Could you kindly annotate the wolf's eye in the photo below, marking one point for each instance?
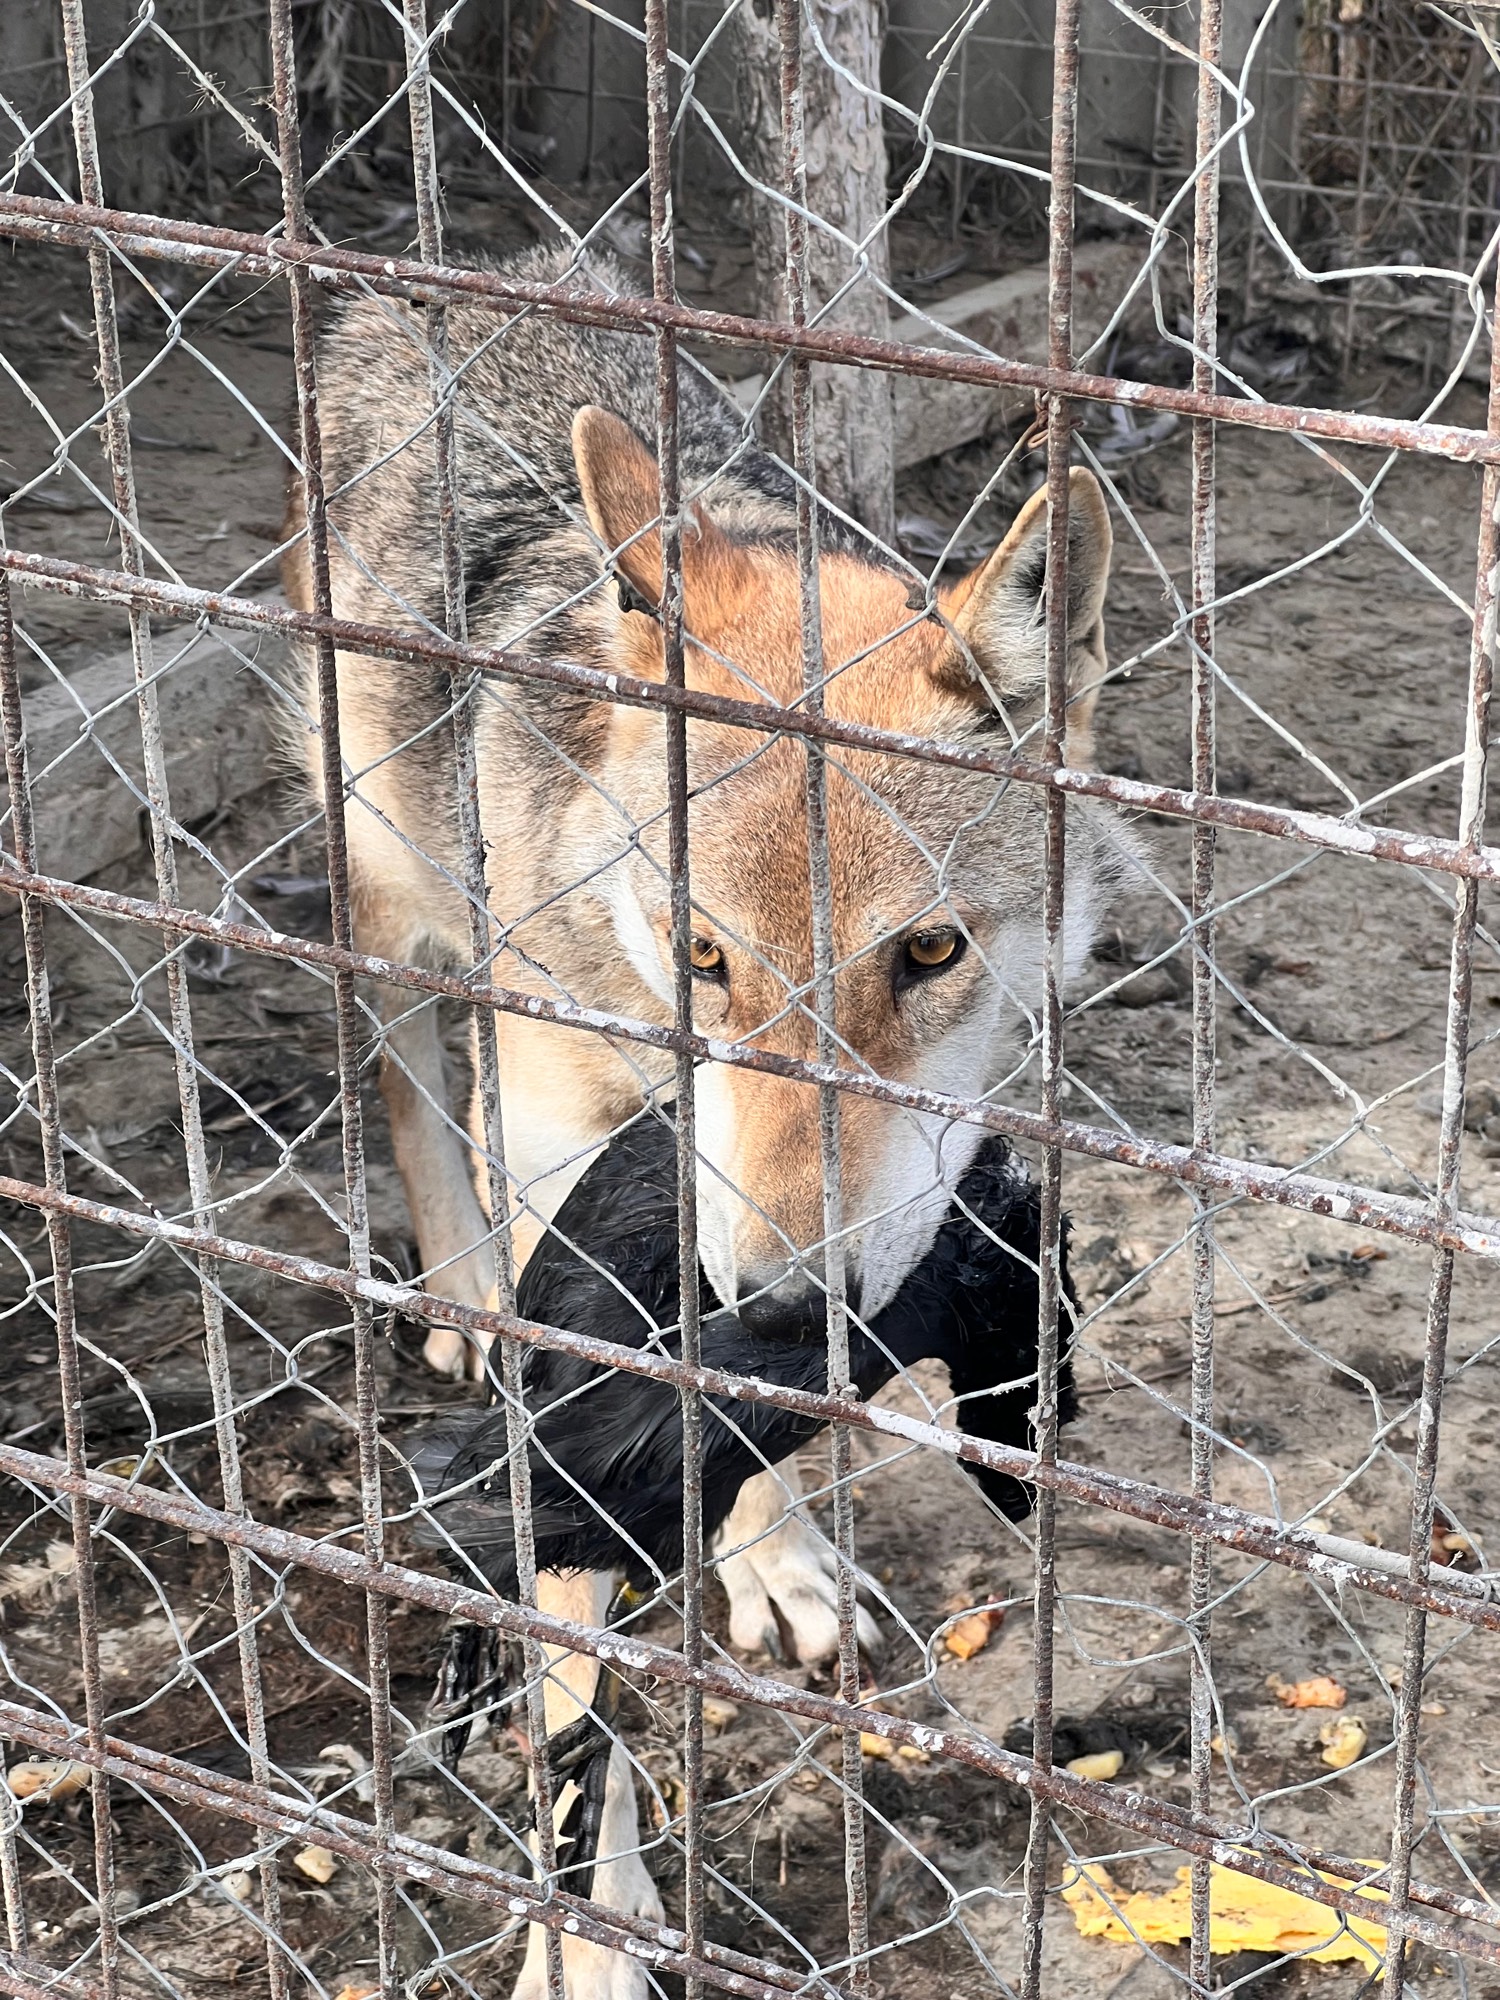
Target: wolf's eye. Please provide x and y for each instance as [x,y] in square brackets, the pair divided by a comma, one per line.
[708,960]
[928,953]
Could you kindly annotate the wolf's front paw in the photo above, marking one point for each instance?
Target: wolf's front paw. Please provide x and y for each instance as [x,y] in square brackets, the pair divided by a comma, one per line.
[787,1583]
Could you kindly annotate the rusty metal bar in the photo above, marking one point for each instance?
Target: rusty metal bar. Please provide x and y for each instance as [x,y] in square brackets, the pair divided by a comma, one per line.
[32,218]
[1347,837]
[12,1887]
[820,898]
[1351,838]
[64,1300]
[1245,1848]
[402,1858]
[464,684]
[1408,1721]
[1472,1600]
[179,1008]
[1205,982]
[28,1978]
[674,660]
[367,1418]
[1059,422]
[1340,1201]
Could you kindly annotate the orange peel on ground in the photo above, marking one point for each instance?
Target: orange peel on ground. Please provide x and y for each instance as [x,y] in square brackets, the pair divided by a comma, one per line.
[1245,1914]
[972,1634]
[1319,1691]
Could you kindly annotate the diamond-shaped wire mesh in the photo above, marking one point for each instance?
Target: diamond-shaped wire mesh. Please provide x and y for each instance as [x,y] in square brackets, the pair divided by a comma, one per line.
[835,653]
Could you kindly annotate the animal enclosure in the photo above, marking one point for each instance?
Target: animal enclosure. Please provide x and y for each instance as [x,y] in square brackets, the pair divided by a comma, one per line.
[1238,269]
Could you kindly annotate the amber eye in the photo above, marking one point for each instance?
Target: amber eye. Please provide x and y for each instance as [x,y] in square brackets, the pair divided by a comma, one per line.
[928,953]
[932,947]
[707,958]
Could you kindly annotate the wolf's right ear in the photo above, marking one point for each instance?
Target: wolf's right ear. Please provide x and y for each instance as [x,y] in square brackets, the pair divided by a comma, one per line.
[622,498]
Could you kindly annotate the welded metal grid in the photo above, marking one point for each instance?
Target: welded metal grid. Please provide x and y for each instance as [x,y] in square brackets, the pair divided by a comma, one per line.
[1442,1916]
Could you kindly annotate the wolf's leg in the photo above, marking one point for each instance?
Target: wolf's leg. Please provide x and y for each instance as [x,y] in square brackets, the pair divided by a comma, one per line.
[782,1566]
[621,1879]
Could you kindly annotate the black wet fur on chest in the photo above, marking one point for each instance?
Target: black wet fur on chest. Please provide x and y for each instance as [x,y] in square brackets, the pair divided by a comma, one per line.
[606,1465]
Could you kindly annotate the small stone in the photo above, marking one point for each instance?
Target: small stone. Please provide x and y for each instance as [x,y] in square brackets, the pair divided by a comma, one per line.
[718,1714]
[239,1884]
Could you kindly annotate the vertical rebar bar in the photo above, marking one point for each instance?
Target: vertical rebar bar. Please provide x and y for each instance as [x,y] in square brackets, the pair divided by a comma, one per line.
[1447,1179]
[1205,763]
[179,1009]
[12,1888]
[464,690]
[59,1241]
[346,1005]
[1049,1288]
[664,286]
[804,460]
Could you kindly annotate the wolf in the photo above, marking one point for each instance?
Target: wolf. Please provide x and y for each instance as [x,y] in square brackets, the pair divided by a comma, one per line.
[936,872]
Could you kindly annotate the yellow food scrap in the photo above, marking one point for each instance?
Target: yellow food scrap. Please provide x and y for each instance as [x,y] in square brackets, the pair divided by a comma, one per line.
[1321,1691]
[1244,1915]
[318,1863]
[875,1746]
[357,1993]
[971,1635]
[1101,1766]
[1343,1741]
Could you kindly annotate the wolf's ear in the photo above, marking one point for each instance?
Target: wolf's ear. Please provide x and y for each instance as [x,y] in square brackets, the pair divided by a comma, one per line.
[1000,609]
[621,496]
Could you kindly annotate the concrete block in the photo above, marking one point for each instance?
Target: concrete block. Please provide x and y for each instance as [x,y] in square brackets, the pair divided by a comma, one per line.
[83,746]
[1009,317]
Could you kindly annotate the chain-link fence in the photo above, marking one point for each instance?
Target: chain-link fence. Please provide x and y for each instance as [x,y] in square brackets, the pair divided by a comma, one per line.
[659,802]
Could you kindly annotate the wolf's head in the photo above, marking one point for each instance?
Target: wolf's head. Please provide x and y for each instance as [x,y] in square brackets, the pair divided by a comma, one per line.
[936,874]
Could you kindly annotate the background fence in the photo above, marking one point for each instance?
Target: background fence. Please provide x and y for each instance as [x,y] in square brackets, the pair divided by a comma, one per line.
[1262,320]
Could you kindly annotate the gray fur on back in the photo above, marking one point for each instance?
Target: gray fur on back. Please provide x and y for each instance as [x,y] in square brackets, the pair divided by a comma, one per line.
[522,377]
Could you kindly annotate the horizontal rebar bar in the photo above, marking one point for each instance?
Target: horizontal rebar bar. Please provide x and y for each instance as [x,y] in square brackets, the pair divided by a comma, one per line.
[1235,1846]
[30,1979]
[33,218]
[1341,836]
[1338,1201]
[1470,1600]
[414,1860]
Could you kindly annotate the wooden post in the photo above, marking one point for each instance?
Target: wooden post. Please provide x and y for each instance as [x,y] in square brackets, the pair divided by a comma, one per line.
[846,187]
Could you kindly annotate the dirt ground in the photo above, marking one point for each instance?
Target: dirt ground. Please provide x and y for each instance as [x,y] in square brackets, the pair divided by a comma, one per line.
[1346,672]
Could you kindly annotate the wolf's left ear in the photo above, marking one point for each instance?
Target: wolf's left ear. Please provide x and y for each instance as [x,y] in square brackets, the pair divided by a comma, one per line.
[999,610]
[618,480]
